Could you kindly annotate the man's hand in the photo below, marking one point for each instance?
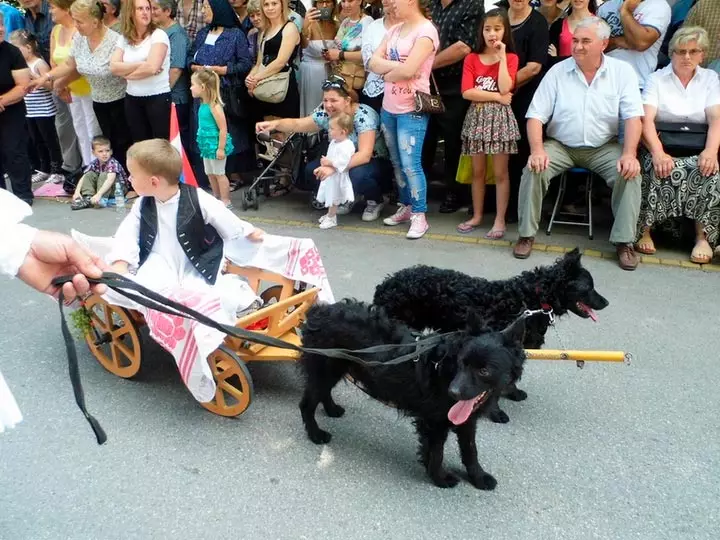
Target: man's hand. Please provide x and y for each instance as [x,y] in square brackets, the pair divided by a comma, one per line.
[663,164]
[256,236]
[707,163]
[628,166]
[95,199]
[538,161]
[53,254]
[268,126]
[630,6]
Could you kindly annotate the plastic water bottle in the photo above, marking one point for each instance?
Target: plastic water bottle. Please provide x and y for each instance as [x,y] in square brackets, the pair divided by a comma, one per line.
[103,202]
[119,198]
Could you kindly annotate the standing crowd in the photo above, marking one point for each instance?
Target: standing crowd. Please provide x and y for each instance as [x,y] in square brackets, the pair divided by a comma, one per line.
[519,95]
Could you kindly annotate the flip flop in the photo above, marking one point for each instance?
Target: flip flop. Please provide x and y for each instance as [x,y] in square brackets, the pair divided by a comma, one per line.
[466,228]
[494,234]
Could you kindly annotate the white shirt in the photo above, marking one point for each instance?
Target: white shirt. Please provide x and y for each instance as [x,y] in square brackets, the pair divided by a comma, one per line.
[154,84]
[650,13]
[674,102]
[581,114]
[16,236]
[372,36]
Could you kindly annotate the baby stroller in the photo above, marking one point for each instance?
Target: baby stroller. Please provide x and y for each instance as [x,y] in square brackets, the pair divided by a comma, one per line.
[286,161]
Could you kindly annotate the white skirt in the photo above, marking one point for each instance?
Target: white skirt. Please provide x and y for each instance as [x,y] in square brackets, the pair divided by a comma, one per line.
[335,189]
[9,411]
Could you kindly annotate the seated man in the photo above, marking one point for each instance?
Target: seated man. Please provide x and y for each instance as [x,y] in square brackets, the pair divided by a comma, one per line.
[581,100]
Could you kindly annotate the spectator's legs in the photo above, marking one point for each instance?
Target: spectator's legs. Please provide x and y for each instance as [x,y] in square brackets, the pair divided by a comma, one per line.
[626,194]
[390,132]
[111,118]
[411,130]
[13,147]
[365,181]
[91,182]
[86,125]
[48,137]
[157,112]
[534,186]
[38,145]
[137,120]
[72,159]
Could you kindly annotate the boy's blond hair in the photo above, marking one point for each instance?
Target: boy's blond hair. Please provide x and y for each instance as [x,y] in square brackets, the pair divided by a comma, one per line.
[344,121]
[157,157]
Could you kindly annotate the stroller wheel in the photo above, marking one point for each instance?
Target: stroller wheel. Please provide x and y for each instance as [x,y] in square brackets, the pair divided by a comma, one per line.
[250,199]
[255,198]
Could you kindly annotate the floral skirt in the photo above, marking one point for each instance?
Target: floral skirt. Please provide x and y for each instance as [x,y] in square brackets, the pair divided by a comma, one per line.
[684,194]
[490,128]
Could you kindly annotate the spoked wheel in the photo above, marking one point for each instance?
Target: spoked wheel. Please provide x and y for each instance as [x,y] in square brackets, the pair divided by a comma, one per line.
[234,390]
[270,294]
[114,338]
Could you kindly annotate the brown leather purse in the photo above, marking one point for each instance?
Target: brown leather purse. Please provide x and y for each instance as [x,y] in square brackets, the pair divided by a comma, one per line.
[429,103]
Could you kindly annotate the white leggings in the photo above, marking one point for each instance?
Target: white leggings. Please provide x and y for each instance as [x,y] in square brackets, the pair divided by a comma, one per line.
[85,124]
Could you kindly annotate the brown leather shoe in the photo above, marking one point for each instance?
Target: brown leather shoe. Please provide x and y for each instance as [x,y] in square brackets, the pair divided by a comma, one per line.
[627,258]
[523,247]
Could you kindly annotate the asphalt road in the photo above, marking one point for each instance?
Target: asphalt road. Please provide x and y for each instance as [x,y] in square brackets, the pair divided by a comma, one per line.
[611,451]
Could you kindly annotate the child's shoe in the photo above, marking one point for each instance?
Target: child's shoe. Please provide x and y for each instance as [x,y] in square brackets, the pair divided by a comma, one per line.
[418,226]
[402,215]
[328,222]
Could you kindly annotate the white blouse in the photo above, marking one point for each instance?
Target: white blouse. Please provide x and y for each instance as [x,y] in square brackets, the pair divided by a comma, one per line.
[372,36]
[674,102]
[154,84]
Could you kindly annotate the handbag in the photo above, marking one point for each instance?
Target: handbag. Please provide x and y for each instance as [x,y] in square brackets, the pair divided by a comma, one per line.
[234,95]
[273,89]
[682,139]
[354,74]
[429,103]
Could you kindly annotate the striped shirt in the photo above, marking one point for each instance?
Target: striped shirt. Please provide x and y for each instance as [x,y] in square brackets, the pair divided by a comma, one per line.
[38,103]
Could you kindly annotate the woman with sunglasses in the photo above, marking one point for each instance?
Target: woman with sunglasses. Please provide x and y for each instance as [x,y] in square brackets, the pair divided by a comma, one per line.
[369,168]
[405,58]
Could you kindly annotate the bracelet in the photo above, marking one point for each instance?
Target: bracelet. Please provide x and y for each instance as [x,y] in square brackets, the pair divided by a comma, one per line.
[342,55]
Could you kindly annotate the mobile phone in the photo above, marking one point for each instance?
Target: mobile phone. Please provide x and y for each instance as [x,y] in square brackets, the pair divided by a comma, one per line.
[326,13]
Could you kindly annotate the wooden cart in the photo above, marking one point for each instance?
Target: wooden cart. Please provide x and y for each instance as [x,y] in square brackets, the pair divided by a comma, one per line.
[115,340]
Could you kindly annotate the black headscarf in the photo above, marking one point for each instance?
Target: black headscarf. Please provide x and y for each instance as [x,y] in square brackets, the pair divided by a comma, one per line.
[223,14]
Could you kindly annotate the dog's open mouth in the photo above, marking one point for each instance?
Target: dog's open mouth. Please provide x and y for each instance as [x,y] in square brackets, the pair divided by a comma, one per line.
[587,310]
[461,411]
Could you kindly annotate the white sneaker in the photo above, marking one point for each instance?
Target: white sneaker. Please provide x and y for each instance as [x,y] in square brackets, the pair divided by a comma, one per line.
[322,218]
[402,215]
[418,227]
[372,211]
[345,208]
[56,179]
[39,176]
[328,222]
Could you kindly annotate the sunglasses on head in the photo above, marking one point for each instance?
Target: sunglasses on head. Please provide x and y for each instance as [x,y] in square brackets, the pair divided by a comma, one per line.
[335,82]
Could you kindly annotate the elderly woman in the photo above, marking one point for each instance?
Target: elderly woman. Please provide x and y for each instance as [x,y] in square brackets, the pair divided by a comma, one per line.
[89,56]
[370,168]
[682,183]
[112,15]
[222,47]
[142,58]
[14,77]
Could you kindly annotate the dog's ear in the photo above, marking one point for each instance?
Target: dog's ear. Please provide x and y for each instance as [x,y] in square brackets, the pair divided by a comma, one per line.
[573,257]
[514,334]
[474,323]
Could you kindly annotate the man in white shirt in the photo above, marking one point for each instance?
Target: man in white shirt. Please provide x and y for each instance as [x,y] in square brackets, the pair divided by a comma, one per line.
[582,99]
[637,31]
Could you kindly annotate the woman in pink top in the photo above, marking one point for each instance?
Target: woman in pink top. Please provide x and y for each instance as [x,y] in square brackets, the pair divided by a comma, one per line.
[405,58]
[562,29]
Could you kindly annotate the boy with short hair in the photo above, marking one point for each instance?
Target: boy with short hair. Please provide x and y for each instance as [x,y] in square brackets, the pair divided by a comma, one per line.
[176,235]
[100,177]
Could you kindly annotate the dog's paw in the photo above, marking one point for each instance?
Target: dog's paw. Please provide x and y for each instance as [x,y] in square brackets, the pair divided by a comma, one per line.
[499,417]
[445,480]
[320,437]
[483,481]
[334,410]
[517,395]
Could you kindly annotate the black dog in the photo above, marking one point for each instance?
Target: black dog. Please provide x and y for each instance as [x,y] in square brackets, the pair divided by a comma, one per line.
[443,389]
[429,297]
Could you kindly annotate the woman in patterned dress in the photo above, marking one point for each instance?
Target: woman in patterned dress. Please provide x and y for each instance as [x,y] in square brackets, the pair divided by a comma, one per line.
[681,186]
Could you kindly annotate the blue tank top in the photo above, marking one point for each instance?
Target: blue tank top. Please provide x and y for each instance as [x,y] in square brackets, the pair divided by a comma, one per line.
[208,134]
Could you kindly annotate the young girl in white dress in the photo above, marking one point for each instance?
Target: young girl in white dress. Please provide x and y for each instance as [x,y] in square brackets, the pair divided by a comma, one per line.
[336,188]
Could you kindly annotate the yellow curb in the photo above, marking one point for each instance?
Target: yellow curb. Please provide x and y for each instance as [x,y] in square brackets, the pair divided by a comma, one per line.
[671,262]
[462,239]
[690,264]
[609,255]
[711,267]
[540,247]
[649,259]
[435,236]
[593,253]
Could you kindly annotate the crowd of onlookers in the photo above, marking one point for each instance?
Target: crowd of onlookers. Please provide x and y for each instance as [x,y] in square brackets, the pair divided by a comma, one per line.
[518,93]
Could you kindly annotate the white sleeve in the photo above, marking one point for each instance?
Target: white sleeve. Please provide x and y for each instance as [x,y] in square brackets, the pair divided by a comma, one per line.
[17,236]
[159,36]
[342,155]
[126,242]
[228,225]
[655,15]
[651,92]
[542,105]
[631,105]
[121,43]
[713,90]
[366,48]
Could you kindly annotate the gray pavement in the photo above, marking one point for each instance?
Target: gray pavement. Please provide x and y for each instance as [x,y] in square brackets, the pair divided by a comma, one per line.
[611,451]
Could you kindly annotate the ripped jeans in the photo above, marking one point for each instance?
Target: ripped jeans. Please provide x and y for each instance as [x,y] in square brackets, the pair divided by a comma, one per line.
[404,136]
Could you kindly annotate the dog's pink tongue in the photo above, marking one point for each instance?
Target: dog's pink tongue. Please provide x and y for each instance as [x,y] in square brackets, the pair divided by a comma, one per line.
[590,312]
[461,411]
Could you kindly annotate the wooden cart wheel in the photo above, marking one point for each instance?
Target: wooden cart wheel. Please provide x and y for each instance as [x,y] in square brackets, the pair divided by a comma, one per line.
[114,339]
[234,384]
[271,293]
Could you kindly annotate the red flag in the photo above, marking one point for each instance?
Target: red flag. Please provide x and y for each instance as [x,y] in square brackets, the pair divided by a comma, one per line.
[187,176]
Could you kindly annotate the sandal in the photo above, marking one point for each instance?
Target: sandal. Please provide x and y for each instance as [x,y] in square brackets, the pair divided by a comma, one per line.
[278,190]
[466,227]
[495,234]
[702,253]
[645,245]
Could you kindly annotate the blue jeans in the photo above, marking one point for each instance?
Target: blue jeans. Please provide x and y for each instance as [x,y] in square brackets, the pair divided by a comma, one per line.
[367,179]
[404,136]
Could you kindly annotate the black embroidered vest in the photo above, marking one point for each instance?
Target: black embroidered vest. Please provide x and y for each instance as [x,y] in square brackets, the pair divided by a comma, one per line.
[201,243]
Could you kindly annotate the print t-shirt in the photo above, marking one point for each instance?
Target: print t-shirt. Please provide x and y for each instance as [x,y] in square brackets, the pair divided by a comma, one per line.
[482,76]
[650,13]
[365,119]
[399,96]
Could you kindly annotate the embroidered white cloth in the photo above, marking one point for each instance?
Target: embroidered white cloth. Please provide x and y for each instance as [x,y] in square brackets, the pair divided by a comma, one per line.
[191,343]
[13,250]
[337,188]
